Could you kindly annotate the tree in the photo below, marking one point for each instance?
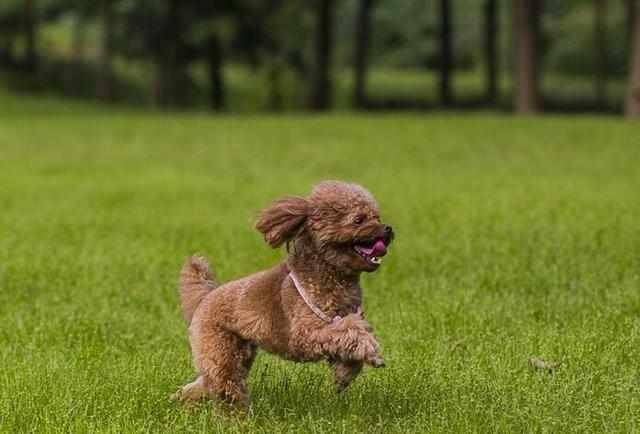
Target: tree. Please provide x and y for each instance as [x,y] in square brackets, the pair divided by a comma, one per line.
[633,91]
[79,36]
[272,23]
[363,28]
[491,30]
[104,84]
[76,69]
[30,34]
[210,41]
[171,56]
[631,7]
[526,29]
[320,97]
[214,59]
[11,29]
[600,43]
[446,53]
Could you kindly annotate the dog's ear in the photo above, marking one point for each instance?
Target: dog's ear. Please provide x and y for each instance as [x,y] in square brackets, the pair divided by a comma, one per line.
[283,220]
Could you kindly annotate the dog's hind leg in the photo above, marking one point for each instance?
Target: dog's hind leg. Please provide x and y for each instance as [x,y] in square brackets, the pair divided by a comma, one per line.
[345,372]
[224,360]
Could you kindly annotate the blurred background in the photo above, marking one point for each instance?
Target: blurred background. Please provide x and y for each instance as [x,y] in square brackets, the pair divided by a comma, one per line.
[287,55]
[132,135]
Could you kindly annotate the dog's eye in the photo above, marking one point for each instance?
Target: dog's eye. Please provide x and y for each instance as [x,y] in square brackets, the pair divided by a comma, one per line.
[359,219]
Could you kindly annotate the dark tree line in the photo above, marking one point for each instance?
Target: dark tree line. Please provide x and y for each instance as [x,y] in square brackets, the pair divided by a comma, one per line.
[292,35]
[492,28]
[633,93]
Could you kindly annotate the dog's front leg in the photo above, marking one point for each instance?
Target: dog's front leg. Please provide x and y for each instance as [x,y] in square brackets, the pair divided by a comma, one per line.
[345,372]
[349,339]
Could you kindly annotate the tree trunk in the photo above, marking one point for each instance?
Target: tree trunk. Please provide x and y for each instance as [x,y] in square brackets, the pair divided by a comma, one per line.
[631,7]
[78,37]
[167,58]
[75,73]
[6,51]
[491,24]
[30,34]
[446,53]
[275,98]
[526,20]
[274,53]
[104,84]
[633,92]
[363,28]
[600,43]
[320,98]
[216,79]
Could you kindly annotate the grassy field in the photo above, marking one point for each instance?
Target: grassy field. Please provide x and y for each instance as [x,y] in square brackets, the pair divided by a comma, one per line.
[515,238]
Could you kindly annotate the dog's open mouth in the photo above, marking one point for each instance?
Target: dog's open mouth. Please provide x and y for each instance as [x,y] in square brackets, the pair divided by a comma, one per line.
[372,251]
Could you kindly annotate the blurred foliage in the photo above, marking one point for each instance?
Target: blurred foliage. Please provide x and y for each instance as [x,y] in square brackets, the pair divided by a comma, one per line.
[572,48]
[406,33]
[164,46]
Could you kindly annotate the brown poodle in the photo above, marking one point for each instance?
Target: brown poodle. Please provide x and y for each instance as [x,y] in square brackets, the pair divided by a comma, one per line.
[307,308]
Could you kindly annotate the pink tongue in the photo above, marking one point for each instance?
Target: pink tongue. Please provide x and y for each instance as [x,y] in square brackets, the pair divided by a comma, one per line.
[378,249]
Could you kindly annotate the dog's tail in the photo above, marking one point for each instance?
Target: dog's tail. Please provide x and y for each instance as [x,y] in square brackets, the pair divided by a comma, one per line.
[196,281]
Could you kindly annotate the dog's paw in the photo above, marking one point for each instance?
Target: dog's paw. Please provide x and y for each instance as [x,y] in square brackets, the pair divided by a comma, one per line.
[176,396]
[355,321]
[368,350]
[351,338]
[376,362]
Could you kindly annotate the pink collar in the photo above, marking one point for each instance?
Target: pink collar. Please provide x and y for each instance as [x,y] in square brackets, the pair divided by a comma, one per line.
[320,314]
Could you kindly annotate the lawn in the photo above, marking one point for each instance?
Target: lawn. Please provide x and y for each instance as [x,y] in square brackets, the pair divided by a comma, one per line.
[515,238]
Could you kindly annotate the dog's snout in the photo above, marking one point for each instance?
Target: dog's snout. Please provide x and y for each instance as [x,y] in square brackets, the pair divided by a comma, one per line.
[388,233]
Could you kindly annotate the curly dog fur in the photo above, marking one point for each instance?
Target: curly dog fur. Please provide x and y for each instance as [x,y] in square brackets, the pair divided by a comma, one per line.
[332,236]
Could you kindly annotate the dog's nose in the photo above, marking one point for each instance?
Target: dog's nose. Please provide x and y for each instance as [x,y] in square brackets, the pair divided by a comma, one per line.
[388,230]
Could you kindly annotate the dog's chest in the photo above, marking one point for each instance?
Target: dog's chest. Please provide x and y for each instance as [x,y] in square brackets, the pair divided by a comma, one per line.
[342,300]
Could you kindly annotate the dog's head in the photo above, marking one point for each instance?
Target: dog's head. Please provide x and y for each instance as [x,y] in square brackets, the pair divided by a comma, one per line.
[339,221]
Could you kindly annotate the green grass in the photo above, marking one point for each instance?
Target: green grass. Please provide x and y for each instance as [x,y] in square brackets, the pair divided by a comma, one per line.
[516,238]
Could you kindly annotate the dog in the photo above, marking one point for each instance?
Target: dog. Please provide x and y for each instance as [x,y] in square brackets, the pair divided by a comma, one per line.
[305,309]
